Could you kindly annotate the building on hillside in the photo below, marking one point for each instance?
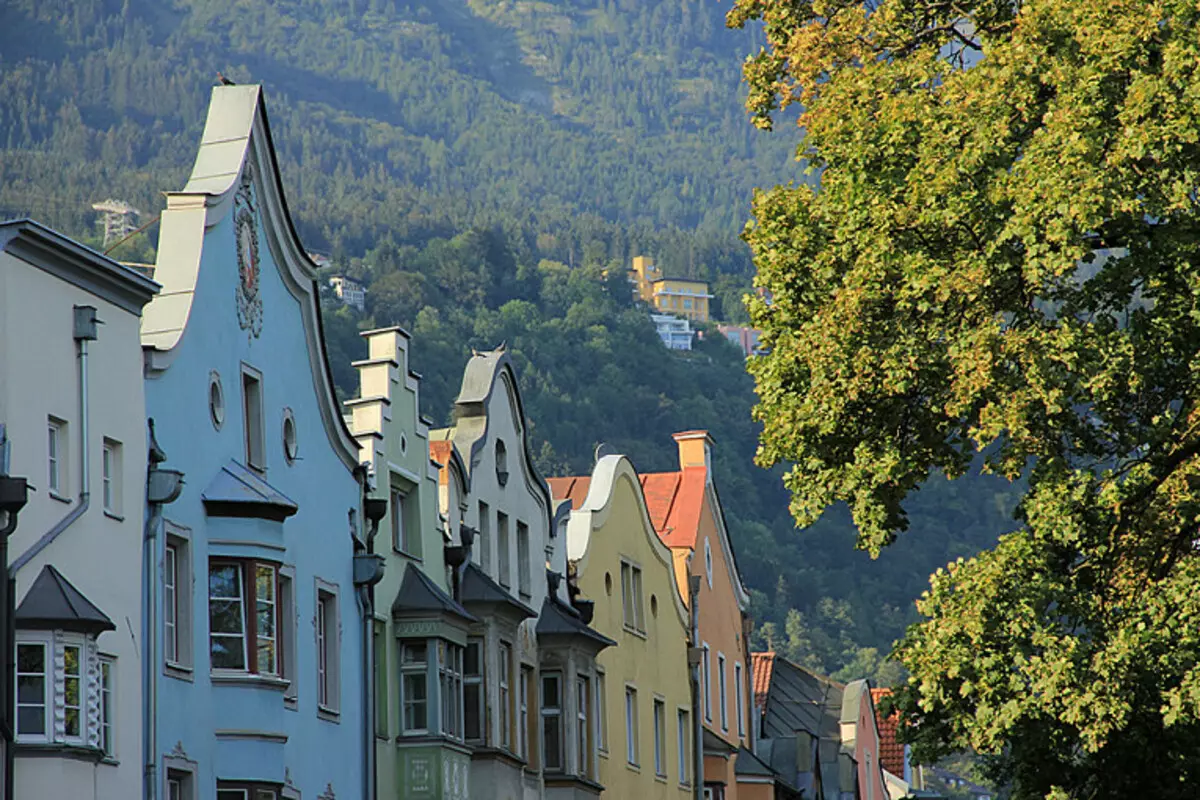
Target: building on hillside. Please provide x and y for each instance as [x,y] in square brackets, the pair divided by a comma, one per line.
[258,647]
[349,291]
[646,724]
[420,630]
[675,332]
[530,664]
[681,297]
[686,513]
[73,408]
[817,735]
[745,338]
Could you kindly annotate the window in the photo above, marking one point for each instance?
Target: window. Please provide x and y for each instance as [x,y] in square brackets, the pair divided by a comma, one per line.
[328,688]
[631,726]
[687,303]
[287,633]
[177,601]
[228,790]
[450,669]
[73,695]
[252,417]
[216,400]
[684,736]
[706,680]
[33,691]
[238,639]
[721,691]
[523,722]
[179,785]
[381,684]
[660,736]
[291,447]
[582,699]
[552,727]
[107,707]
[414,688]
[504,565]
[523,583]
[631,597]
[501,463]
[406,521]
[601,712]
[56,452]
[473,694]
[111,477]
[482,554]
[739,701]
[708,561]
[505,705]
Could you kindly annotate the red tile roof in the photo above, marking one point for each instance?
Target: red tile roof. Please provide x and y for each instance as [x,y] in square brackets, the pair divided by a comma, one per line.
[891,752]
[441,452]
[574,489]
[761,667]
[674,500]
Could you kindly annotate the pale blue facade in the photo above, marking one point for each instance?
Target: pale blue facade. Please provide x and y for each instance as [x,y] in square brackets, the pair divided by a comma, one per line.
[271,500]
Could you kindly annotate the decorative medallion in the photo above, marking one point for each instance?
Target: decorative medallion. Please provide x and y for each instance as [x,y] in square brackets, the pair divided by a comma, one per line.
[249,289]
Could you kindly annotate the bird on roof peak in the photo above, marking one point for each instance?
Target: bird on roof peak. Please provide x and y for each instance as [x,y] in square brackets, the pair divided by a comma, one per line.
[225,81]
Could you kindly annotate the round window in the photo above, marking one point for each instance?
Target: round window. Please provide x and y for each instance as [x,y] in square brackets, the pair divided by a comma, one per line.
[653,606]
[216,400]
[403,444]
[608,583]
[290,447]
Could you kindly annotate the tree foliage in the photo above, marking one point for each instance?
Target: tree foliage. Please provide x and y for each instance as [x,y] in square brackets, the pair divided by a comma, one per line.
[1002,259]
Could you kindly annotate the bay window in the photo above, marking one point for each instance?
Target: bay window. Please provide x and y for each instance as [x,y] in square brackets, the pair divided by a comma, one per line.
[505,704]
[583,732]
[33,691]
[552,724]
[244,617]
[450,673]
[473,693]
[54,709]
[414,688]
[431,688]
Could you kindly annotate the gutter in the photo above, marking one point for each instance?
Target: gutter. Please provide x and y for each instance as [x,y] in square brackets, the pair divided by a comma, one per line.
[694,656]
[368,571]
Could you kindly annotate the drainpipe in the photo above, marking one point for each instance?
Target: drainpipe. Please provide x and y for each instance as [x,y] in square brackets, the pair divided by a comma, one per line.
[695,653]
[85,323]
[368,571]
[162,486]
[13,494]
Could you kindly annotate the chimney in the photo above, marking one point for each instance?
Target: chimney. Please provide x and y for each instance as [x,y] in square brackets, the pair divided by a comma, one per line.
[695,449]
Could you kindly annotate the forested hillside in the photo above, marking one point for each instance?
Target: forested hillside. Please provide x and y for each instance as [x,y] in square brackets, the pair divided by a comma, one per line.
[480,164]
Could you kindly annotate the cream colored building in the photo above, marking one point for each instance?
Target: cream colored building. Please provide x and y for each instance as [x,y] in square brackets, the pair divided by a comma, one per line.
[71,398]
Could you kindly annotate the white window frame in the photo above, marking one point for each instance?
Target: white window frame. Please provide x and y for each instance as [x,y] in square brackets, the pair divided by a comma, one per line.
[404,500]
[180,663]
[504,694]
[57,472]
[583,692]
[660,737]
[722,691]
[249,617]
[706,680]
[523,692]
[107,691]
[77,642]
[182,772]
[414,669]
[601,711]
[44,640]
[450,685]
[739,688]
[328,648]
[631,726]
[683,730]
[633,612]
[110,477]
[553,712]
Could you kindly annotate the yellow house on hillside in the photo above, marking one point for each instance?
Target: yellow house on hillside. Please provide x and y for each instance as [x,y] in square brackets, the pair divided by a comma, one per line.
[646,726]
[683,297]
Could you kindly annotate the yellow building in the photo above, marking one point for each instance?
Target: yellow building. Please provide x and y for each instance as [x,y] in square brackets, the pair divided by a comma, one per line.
[683,297]
[646,726]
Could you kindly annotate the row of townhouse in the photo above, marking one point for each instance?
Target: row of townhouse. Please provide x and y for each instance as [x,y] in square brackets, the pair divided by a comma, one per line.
[223,585]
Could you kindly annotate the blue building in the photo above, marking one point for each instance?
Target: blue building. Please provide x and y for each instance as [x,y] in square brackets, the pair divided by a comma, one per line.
[256,627]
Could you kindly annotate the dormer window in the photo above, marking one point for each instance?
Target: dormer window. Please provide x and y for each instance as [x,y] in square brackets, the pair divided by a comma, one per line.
[501,463]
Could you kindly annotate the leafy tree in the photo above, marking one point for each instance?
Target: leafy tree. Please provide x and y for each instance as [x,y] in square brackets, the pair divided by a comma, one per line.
[1002,260]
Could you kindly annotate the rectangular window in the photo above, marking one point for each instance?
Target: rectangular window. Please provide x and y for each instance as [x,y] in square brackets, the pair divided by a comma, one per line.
[228,790]
[684,737]
[179,785]
[687,303]
[252,418]
[414,688]
[238,638]
[108,708]
[73,691]
[721,693]
[706,681]
[631,726]
[287,633]
[505,704]
[552,723]
[406,520]
[177,600]
[631,597]
[328,689]
[450,669]
[381,684]
[473,694]
[32,691]
[523,721]
[399,532]
[739,702]
[601,711]
[523,582]
[56,452]
[111,476]
[660,736]
[583,734]
[504,561]
[482,554]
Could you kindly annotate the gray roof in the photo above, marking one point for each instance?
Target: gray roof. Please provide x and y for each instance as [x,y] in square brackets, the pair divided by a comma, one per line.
[420,595]
[479,589]
[802,701]
[558,620]
[238,492]
[53,603]
[749,764]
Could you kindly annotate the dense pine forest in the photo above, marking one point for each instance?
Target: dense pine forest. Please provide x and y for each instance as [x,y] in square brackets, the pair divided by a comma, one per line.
[488,168]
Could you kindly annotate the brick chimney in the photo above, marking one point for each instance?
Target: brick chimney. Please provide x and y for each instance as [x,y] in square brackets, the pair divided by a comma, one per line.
[695,449]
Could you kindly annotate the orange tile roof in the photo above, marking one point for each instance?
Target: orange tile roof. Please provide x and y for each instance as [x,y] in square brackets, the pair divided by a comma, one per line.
[441,452]
[674,500]
[891,752]
[761,667]
[574,489]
